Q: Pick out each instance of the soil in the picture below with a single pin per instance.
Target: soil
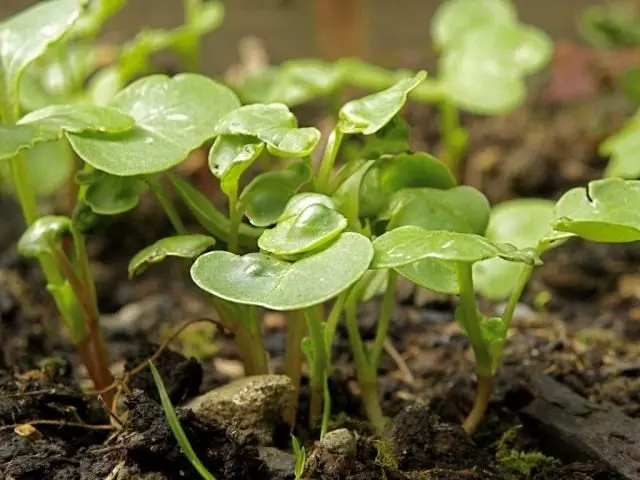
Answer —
(585, 337)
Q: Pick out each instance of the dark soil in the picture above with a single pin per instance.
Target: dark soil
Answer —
(585, 337)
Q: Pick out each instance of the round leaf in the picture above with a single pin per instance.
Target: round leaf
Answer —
(347, 196)
(522, 223)
(432, 274)
(173, 117)
(266, 197)
(301, 201)
(460, 209)
(50, 166)
(409, 244)
(259, 279)
(184, 246)
(109, 194)
(369, 114)
(42, 234)
(312, 228)
(455, 18)
(605, 211)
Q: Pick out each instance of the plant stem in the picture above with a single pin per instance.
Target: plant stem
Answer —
(452, 133)
(521, 283)
(331, 324)
(328, 159)
(480, 405)
(167, 205)
(319, 364)
(293, 355)
(21, 183)
(235, 217)
(366, 373)
(469, 317)
(383, 321)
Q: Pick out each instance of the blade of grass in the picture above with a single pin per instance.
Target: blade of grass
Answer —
(176, 428)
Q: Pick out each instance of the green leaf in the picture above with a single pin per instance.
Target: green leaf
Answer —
(230, 156)
(272, 124)
(394, 173)
(209, 217)
(176, 428)
(265, 198)
(173, 117)
(50, 166)
(347, 196)
(25, 37)
(45, 232)
(432, 274)
(523, 223)
(623, 148)
(259, 279)
(455, 18)
(183, 246)
(108, 194)
(313, 228)
(605, 211)
(369, 114)
(485, 71)
(356, 71)
(460, 209)
(409, 244)
(302, 201)
(50, 123)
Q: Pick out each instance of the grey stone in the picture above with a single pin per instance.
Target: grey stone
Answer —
(280, 464)
(340, 442)
(248, 406)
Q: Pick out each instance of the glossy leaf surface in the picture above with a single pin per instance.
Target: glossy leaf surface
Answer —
(259, 279)
(45, 232)
(50, 123)
(461, 209)
(173, 117)
(409, 244)
(369, 114)
(265, 198)
(108, 194)
(183, 246)
(230, 156)
(605, 211)
(309, 230)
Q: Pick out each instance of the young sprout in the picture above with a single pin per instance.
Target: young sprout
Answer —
(301, 457)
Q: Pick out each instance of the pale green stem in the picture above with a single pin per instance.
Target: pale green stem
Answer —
(235, 218)
(323, 178)
(293, 355)
(450, 125)
(167, 205)
(521, 283)
(332, 321)
(319, 364)
(382, 329)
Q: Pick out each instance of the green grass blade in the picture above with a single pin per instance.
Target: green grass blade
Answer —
(176, 428)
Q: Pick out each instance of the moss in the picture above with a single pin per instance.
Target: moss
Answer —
(519, 465)
(197, 341)
(386, 457)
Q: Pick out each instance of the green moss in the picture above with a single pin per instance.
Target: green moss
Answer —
(520, 465)
(386, 457)
(197, 341)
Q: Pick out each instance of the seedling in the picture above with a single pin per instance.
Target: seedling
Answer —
(301, 457)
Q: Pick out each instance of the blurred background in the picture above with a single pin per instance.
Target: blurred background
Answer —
(388, 32)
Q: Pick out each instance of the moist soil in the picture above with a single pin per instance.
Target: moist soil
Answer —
(584, 337)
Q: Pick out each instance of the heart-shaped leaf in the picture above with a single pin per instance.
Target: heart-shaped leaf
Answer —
(623, 149)
(259, 279)
(369, 114)
(455, 18)
(606, 211)
(460, 209)
(522, 223)
(265, 198)
(50, 123)
(209, 217)
(184, 246)
(409, 244)
(173, 117)
(25, 37)
(109, 194)
(44, 233)
(230, 156)
(311, 229)
(395, 173)
(272, 124)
